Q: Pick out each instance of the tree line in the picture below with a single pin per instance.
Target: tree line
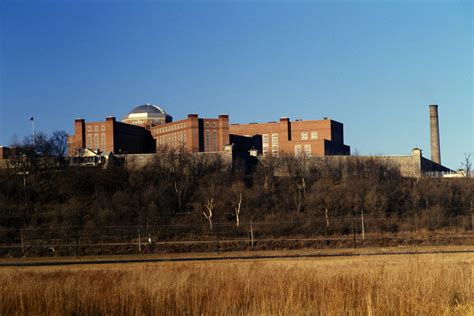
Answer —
(182, 188)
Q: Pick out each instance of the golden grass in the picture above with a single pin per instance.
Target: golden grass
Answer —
(389, 285)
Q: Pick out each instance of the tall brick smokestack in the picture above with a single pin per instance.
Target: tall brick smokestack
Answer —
(434, 134)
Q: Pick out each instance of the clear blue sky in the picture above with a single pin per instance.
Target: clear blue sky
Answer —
(373, 65)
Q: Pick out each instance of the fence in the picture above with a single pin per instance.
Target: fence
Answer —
(349, 231)
(448, 174)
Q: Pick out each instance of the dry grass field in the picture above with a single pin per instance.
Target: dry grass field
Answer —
(437, 284)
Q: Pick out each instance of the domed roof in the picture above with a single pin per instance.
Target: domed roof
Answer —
(148, 108)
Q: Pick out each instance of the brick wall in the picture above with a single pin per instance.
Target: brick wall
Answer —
(314, 138)
(110, 136)
(194, 133)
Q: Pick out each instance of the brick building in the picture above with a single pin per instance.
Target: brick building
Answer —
(309, 138)
(6, 152)
(147, 128)
(194, 133)
(110, 136)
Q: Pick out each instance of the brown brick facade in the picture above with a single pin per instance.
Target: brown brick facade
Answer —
(6, 152)
(194, 133)
(310, 138)
(110, 136)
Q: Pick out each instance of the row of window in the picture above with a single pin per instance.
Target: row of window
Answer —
(210, 144)
(266, 146)
(92, 141)
(96, 128)
(210, 124)
(173, 139)
(170, 128)
(304, 135)
(307, 150)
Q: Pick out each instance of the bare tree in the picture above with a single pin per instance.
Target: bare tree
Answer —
(237, 209)
(179, 194)
(209, 207)
(327, 217)
(467, 164)
(58, 143)
(301, 190)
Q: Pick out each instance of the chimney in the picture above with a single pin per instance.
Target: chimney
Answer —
(79, 133)
(434, 134)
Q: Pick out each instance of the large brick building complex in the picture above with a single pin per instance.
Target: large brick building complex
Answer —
(110, 136)
(309, 138)
(147, 128)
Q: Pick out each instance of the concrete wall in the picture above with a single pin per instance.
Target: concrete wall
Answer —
(413, 166)
(409, 166)
(138, 161)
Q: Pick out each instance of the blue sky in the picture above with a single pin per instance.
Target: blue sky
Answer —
(373, 65)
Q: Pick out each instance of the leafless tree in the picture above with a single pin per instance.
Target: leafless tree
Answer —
(209, 207)
(467, 164)
(58, 142)
(237, 209)
(301, 194)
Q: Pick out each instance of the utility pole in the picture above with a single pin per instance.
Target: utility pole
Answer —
(22, 243)
(139, 243)
(251, 233)
(354, 231)
(32, 119)
(472, 217)
(77, 243)
(363, 226)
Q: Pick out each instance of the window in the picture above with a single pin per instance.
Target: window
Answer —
(307, 150)
(96, 128)
(89, 128)
(265, 148)
(274, 139)
(297, 150)
(314, 135)
(214, 139)
(102, 141)
(304, 136)
(89, 140)
(207, 140)
(96, 140)
(275, 144)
